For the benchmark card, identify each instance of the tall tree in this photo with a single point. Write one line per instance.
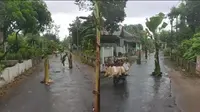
(26, 16)
(51, 36)
(75, 30)
(193, 14)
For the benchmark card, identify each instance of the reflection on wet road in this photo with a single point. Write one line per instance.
(71, 92)
(140, 93)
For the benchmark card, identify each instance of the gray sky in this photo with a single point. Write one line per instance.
(64, 12)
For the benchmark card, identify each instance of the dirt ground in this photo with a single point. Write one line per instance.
(185, 89)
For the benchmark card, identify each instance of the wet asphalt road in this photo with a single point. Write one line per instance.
(140, 93)
(71, 92)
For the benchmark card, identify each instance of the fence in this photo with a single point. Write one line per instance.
(9, 73)
(189, 66)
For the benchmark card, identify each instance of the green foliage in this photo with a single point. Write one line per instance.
(51, 36)
(86, 34)
(196, 35)
(186, 16)
(89, 53)
(26, 16)
(139, 33)
(167, 52)
(189, 49)
(30, 46)
(2, 66)
(192, 14)
(66, 42)
(113, 12)
(153, 22)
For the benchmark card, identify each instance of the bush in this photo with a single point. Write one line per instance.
(166, 52)
(189, 49)
(2, 67)
(14, 56)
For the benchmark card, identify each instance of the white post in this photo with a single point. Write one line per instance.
(112, 51)
(102, 55)
(198, 65)
(124, 49)
(127, 47)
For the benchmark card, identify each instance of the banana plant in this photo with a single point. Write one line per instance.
(155, 24)
(98, 34)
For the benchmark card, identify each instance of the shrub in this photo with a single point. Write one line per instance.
(166, 52)
(14, 56)
(189, 49)
(2, 67)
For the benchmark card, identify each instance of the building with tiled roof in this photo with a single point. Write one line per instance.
(119, 41)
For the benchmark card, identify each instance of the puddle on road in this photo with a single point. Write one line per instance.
(143, 93)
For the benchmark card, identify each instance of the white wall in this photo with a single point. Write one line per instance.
(10, 73)
(138, 46)
(120, 49)
(106, 52)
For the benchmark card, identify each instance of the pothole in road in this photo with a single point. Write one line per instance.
(57, 71)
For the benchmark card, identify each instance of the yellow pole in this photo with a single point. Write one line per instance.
(46, 72)
(97, 79)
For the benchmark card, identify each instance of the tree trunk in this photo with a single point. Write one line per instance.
(46, 75)
(17, 43)
(4, 39)
(139, 57)
(176, 23)
(146, 53)
(171, 22)
(70, 60)
(157, 71)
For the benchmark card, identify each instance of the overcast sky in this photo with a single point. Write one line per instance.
(64, 12)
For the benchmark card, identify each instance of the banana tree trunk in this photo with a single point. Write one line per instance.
(46, 66)
(70, 60)
(157, 71)
(139, 55)
(97, 79)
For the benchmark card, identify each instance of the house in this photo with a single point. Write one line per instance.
(119, 41)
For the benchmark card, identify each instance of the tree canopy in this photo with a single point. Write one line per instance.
(26, 16)
(112, 12)
(183, 37)
(23, 18)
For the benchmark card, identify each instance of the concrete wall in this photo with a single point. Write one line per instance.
(106, 52)
(121, 49)
(10, 73)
